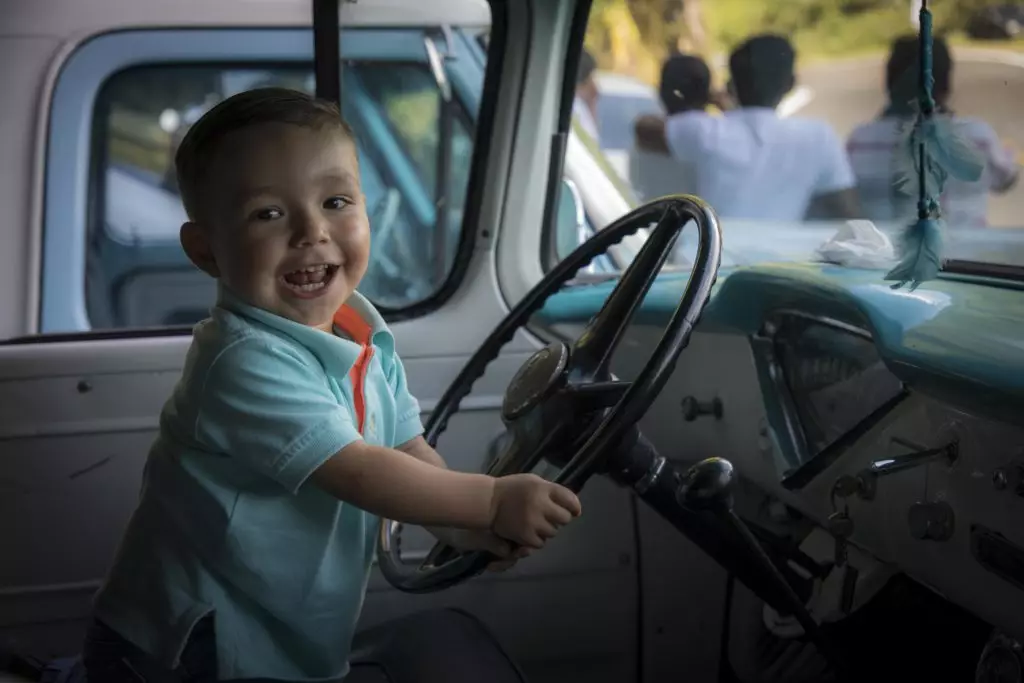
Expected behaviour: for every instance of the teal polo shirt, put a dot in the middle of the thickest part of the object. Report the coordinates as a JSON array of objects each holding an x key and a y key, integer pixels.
[{"x": 227, "y": 523}]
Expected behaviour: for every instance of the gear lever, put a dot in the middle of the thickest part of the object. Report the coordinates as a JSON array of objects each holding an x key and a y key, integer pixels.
[{"x": 708, "y": 486}]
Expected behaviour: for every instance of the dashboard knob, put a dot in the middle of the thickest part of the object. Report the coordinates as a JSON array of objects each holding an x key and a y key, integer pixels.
[
  {"x": 934, "y": 521},
  {"x": 708, "y": 484},
  {"x": 692, "y": 408},
  {"x": 1002, "y": 661}
]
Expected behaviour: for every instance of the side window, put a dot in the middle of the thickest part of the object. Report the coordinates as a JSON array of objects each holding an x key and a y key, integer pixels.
[{"x": 136, "y": 272}]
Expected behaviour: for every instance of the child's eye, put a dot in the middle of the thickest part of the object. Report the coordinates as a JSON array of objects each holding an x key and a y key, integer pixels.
[
  {"x": 268, "y": 214},
  {"x": 336, "y": 203}
]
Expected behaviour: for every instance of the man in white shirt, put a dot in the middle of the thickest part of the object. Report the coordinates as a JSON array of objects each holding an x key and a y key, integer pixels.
[
  {"x": 750, "y": 163},
  {"x": 584, "y": 105}
]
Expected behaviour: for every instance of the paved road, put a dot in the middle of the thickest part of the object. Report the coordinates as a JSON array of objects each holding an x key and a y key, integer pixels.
[{"x": 986, "y": 84}]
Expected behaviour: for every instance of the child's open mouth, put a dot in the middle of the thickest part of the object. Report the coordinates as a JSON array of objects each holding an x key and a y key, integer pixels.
[{"x": 311, "y": 280}]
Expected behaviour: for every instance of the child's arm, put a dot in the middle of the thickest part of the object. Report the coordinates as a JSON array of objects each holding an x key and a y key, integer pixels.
[
  {"x": 523, "y": 508},
  {"x": 390, "y": 484},
  {"x": 421, "y": 450},
  {"x": 418, "y": 448},
  {"x": 270, "y": 408}
]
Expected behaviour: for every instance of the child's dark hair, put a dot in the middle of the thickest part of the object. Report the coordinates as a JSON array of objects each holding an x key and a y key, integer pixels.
[{"x": 249, "y": 108}]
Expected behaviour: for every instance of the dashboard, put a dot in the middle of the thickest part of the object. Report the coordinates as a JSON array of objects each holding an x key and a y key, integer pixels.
[
  {"x": 929, "y": 488},
  {"x": 837, "y": 393}
]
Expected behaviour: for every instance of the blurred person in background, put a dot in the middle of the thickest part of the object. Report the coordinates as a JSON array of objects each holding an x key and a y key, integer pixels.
[
  {"x": 751, "y": 163},
  {"x": 584, "y": 105},
  {"x": 873, "y": 146},
  {"x": 684, "y": 88}
]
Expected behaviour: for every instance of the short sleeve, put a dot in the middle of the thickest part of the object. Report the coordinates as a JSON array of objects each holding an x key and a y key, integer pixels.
[
  {"x": 835, "y": 172},
  {"x": 407, "y": 409},
  {"x": 1000, "y": 160},
  {"x": 683, "y": 135},
  {"x": 272, "y": 409}
]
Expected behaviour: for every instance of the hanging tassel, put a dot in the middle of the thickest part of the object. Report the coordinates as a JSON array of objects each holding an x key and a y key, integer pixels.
[
  {"x": 948, "y": 155},
  {"x": 922, "y": 254},
  {"x": 935, "y": 152}
]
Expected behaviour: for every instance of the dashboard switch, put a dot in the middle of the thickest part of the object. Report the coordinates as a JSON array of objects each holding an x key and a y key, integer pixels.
[
  {"x": 931, "y": 521},
  {"x": 692, "y": 408},
  {"x": 1011, "y": 478}
]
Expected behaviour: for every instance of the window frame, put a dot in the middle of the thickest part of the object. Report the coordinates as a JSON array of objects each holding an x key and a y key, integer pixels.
[{"x": 67, "y": 206}]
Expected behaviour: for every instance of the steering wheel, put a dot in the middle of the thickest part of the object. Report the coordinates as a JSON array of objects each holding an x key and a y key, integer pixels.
[{"x": 563, "y": 404}]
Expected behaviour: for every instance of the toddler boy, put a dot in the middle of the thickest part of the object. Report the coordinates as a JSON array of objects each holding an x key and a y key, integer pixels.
[{"x": 290, "y": 430}]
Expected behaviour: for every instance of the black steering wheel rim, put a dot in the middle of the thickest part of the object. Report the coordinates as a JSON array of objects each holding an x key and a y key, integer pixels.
[{"x": 623, "y": 403}]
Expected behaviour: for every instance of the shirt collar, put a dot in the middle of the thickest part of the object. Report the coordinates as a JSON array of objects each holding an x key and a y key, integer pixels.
[
  {"x": 357, "y": 318},
  {"x": 360, "y": 320}
]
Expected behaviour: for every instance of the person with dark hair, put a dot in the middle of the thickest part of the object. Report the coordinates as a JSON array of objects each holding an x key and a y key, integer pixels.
[
  {"x": 290, "y": 431},
  {"x": 685, "y": 84},
  {"x": 685, "y": 87},
  {"x": 584, "y": 105},
  {"x": 763, "y": 70},
  {"x": 750, "y": 162},
  {"x": 873, "y": 147}
]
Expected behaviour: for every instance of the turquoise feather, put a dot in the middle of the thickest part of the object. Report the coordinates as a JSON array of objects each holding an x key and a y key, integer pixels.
[
  {"x": 922, "y": 254},
  {"x": 947, "y": 155},
  {"x": 934, "y": 154}
]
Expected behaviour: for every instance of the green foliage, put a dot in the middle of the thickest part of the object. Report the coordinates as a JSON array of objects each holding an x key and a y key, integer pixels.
[{"x": 818, "y": 28}]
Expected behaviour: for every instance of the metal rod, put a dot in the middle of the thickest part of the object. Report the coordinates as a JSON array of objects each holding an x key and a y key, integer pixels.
[
  {"x": 327, "y": 49},
  {"x": 884, "y": 466}
]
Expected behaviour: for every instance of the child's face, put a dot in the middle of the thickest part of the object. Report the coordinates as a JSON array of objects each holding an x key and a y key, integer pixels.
[{"x": 285, "y": 225}]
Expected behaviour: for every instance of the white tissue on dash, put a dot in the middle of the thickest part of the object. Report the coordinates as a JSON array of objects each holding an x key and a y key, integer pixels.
[{"x": 858, "y": 244}]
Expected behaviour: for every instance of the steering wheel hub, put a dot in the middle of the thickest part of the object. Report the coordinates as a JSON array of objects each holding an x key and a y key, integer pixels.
[{"x": 541, "y": 374}]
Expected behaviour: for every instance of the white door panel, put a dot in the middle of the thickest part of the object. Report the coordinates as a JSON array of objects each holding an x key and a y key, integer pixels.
[{"x": 76, "y": 424}]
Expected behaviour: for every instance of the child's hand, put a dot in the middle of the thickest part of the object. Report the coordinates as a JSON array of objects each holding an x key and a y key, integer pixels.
[
  {"x": 468, "y": 540},
  {"x": 528, "y": 510}
]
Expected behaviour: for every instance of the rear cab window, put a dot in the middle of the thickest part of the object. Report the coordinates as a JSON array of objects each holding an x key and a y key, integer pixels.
[{"x": 111, "y": 254}]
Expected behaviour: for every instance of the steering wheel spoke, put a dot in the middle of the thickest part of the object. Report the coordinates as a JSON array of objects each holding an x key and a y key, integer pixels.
[
  {"x": 439, "y": 555},
  {"x": 589, "y": 397},
  {"x": 594, "y": 348}
]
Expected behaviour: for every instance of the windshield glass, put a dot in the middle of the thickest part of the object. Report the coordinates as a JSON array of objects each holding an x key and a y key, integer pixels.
[{"x": 791, "y": 119}]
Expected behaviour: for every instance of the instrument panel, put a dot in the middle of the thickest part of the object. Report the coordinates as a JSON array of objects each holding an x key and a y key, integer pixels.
[
  {"x": 806, "y": 402},
  {"x": 930, "y": 489}
]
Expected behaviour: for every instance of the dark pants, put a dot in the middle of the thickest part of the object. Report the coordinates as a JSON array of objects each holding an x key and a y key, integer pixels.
[{"x": 438, "y": 646}]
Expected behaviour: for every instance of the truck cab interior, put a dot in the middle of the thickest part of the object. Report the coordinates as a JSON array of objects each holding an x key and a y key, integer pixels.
[{"x": 790, "y": 470}]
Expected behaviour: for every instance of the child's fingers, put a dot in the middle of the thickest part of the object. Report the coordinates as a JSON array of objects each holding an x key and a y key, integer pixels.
[
  {"x": 545, "y": 529},
  {"x": 567, "y": 499},
  {"x": 531, "y": 539},
  {"x": 491, "y": 543},
  {"x": 557, "y": 515}
]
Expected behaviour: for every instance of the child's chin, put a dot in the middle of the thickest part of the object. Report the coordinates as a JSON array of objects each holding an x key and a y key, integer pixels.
[{"x": 316, "y": 312}]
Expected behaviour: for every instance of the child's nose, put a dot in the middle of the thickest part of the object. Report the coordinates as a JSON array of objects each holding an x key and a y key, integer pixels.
[{"x": 310, "y": 230}]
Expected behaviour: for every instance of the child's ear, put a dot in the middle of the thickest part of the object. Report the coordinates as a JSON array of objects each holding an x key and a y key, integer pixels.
[{"x": 196, "y": 243}]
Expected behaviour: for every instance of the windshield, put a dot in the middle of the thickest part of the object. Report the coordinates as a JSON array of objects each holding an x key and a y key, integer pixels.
[{"x": 791, "y": 123}]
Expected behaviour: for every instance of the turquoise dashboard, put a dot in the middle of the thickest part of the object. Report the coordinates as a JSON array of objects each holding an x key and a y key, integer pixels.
[{"x": 958, "y": 340}]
